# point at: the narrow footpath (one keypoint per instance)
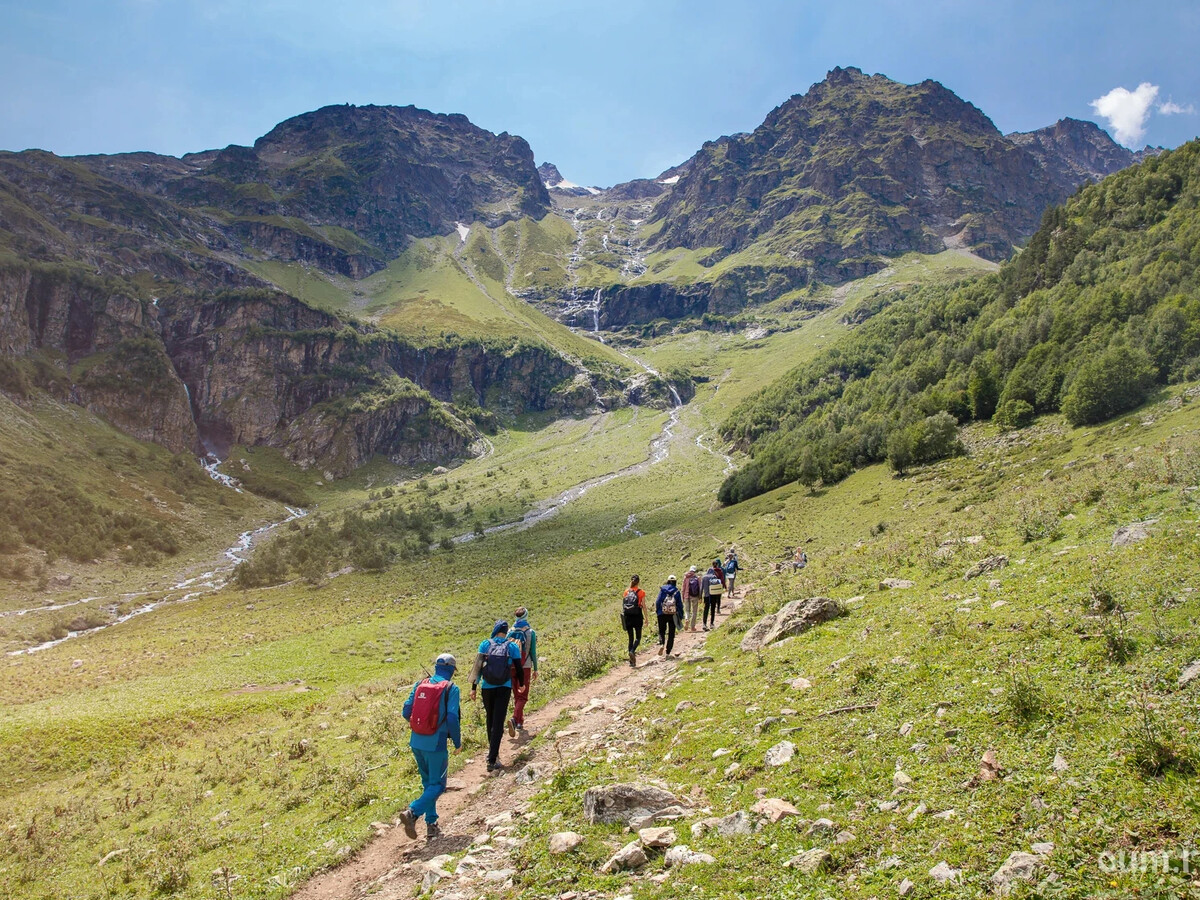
(393, 867)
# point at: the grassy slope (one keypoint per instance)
(155, 744)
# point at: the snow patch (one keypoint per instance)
(672, 180)
(463, 230)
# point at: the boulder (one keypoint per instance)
(1131, 534)
(734, 824)
(796, 617)
(531, 773)
(895, 584)
(1018, 867)
(657, 838)
(943, 873)
(631, 856)
(774, 809)
(990, 564)
(1190, 674)
(811, 861)
(564, 842)
(799, 684)
(682, 856)
(781, 754)
(623, 802)
(989, 766)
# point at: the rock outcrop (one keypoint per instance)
(796, 617)
(624, 802)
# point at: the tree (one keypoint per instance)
(1117, 380)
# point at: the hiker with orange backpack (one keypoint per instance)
(633, 605)
(497, 665)
(432, 709)
(526, 639)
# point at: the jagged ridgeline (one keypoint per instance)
(1100, 308)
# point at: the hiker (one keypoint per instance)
(432, 709)
(712, 586)
(731, 570)
(497, 664)
(691, 596)
(799, 560)
(667, 606)
(633, 605)
(526, 639)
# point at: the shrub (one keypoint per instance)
(1023, 697)
(1117, 380)
(1013, 414)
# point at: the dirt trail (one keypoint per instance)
(389, 867)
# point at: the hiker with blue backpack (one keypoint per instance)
(432, 709)
(496, 666)
(526, 639)
(731, 569)
(667, 606)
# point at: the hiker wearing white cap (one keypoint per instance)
(667, 606)
(432, 709)
(691, 597)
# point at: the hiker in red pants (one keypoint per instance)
(525, 638)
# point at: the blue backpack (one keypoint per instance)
(497, 664)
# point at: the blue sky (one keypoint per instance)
(606, 90)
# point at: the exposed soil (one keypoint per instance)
(389, 867)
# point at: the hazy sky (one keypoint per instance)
(607, 90)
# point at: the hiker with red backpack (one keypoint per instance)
(432, 709)
(633, 605)
(691, 597)
(526, 639)
(667, 606)
(497, 665)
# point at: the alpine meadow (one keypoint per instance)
(281, 425)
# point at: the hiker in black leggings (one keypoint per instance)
(711, 589)
(633, 606)
(496, 665)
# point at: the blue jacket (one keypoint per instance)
(448, 729)
(663, 593)
(514, 654)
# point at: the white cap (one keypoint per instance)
(447, 659)
(670, 578)
(692, 569)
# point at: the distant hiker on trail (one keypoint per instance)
(432, 709)
(667, 606)
(731, 570)
(691, 596)
(498, 663)
(720, 573)
(526, 639)
(633, 605)
(799, 559)
(712, 586)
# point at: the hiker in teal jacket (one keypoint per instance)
(498, 663)
(433, 760)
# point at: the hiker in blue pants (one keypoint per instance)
(432, 709)
(498, 663)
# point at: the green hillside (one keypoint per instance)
(1099, 310)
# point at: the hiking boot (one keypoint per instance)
(632, 659)
(512, 729)
(409, 820)
(520, 726)
(660, 649)
(432, 831)
(491, 767)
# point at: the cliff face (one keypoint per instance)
(1072, 151)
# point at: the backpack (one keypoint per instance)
(630, 603)
(426, 715)
(497, 664)
(715, 588)
(668, 604)
(521, 636)
(691, 585)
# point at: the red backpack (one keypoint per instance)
(426, 716)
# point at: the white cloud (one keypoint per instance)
(1171, 108)
(1127, 111)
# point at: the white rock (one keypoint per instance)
(845, 837)
(1060, 763)
(631, 856)
(1018, 867)
(799, 684)
(564, 842)
(1190, 674)
(657, 838)
(781, 754)
(920, 810)
(722, 751)
(943, 873)
(504, 818)
(733, 824)
(905, 888)
(821, 826)
(684, 705)
(682, 856)
(1043, 849)
(901, 779)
